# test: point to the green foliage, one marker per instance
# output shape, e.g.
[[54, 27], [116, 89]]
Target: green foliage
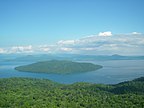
[[136, 86], [59, 67], [40, 93]]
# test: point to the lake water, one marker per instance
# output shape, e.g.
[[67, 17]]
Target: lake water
[[112, 72]]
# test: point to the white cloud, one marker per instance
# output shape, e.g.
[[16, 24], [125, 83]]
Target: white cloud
[[66, 49], [2, 51], [21, 49], [108, 33], [135, 33], [44, 48], [125, 44], [89, 49], [66, 42]]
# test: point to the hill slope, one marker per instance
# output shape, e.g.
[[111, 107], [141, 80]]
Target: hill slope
[[37, 93]]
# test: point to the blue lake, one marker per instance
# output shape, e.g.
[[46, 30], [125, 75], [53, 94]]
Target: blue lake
[[112, 72]]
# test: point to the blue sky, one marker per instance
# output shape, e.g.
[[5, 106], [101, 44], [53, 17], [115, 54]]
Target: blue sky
[[46, 22]]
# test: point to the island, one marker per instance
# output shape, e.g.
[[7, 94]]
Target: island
[[59, 67]]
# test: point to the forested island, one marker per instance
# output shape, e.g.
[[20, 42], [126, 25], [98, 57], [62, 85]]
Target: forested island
[[59, 67], [42, 93]]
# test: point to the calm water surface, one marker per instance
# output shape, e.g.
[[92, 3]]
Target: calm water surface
[[112, 72]]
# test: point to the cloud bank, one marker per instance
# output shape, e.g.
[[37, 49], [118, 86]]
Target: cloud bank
[[108, 33], [105, 43], [2, 50]]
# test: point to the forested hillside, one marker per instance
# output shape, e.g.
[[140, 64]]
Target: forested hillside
[[59, 67], [40, 93]]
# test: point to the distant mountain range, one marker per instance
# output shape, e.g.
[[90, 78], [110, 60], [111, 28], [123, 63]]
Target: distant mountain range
[[75, 57]]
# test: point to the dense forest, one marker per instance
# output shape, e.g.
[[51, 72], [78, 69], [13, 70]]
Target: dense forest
[[42, 93], [59, 67]]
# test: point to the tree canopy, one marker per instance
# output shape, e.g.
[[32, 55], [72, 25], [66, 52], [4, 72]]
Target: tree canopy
[[41, 93], [59, 67]]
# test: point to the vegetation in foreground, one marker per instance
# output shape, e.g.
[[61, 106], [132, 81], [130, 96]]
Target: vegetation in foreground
[[59, 67], [40, 93]]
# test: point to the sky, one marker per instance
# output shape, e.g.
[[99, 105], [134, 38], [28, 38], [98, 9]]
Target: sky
[[72, 26]]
